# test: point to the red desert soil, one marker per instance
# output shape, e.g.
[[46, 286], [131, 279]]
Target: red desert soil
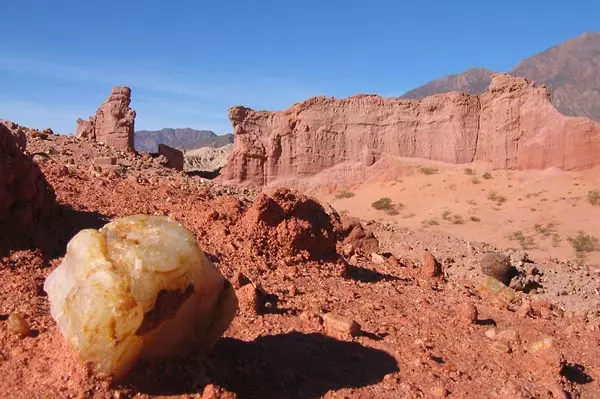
[[413, 335]]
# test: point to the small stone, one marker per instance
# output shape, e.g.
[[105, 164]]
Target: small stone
[[491, 333], [497, 265], [293, 291], [348, 250], [501, 347], [508, 335], [431, 266], [377, 259], [341, 324], [439, 391], [467, 313], [525, 309], [495, 287], [105, 161], [18, 325], [354, 259], [39, 135], [248, 299], [393, 261], [41, 157], [239, 280], [539, 345]]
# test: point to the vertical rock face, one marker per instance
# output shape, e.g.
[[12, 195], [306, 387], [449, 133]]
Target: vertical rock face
[[23, 188], [174, 156], [512, 125], [113, 123]]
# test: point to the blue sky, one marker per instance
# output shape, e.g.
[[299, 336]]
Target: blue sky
[[188, 61]]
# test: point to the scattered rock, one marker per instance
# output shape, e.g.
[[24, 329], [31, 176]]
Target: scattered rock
[[104, 161], [496, 288], [500, 346], [439, 391], [213, 392], [508, 335], [377, 259], [431, 267], [348, 250], [239, 280], [340, 324], [498, 265], [491, 333], [467, 313], [248, 299], [18, 325], [539, 345]]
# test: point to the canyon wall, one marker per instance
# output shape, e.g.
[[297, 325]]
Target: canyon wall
[[512, 125]]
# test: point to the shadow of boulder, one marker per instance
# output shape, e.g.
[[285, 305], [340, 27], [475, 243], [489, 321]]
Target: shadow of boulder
[[293, 365]]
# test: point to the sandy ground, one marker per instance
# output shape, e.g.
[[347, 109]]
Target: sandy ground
[[537, 211]]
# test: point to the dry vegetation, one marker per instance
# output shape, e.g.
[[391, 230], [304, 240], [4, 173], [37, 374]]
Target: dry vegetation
[[344, 194], [386, 204]]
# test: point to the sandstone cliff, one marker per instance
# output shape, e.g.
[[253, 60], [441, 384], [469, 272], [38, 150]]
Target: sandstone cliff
[[512, 125], [113, 123]]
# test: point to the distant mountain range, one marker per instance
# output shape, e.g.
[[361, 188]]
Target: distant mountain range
[[570, 70], [184, 138]]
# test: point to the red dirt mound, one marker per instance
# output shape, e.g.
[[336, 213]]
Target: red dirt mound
[[290, 223]]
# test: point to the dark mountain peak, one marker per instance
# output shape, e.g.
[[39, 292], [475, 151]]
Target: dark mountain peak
[[570, 70], [473, 80], [182, 138]]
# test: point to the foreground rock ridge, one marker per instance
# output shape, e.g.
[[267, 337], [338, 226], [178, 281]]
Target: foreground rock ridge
[[513, 125], [113, 123]]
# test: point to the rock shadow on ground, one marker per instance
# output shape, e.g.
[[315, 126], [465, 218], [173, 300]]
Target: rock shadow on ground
[[293, 365]]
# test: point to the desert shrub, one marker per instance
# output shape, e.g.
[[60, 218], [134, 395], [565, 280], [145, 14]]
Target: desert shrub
[[546, 230], [427, 170], [487, 175], [475, 219], [475, 180], [457, 219], [386, 204], [446, 214], [594, 197], [344, 194], [430, 222], [497, 198], [382, 204], [524, 241], [469, 172], [583, 243]]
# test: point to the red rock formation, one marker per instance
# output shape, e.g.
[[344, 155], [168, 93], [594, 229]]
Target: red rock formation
[[512, 125], [173, 155], [113, 123], [23, 188]]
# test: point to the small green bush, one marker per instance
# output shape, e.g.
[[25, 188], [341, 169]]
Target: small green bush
[[428, 171], [475, 219], [382, 204], [469, 172], [498, 199], [594, 197], [344, 194], [487, 175], [583, 243]]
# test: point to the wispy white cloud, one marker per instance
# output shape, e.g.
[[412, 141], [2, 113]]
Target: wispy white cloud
[[161, 98]]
